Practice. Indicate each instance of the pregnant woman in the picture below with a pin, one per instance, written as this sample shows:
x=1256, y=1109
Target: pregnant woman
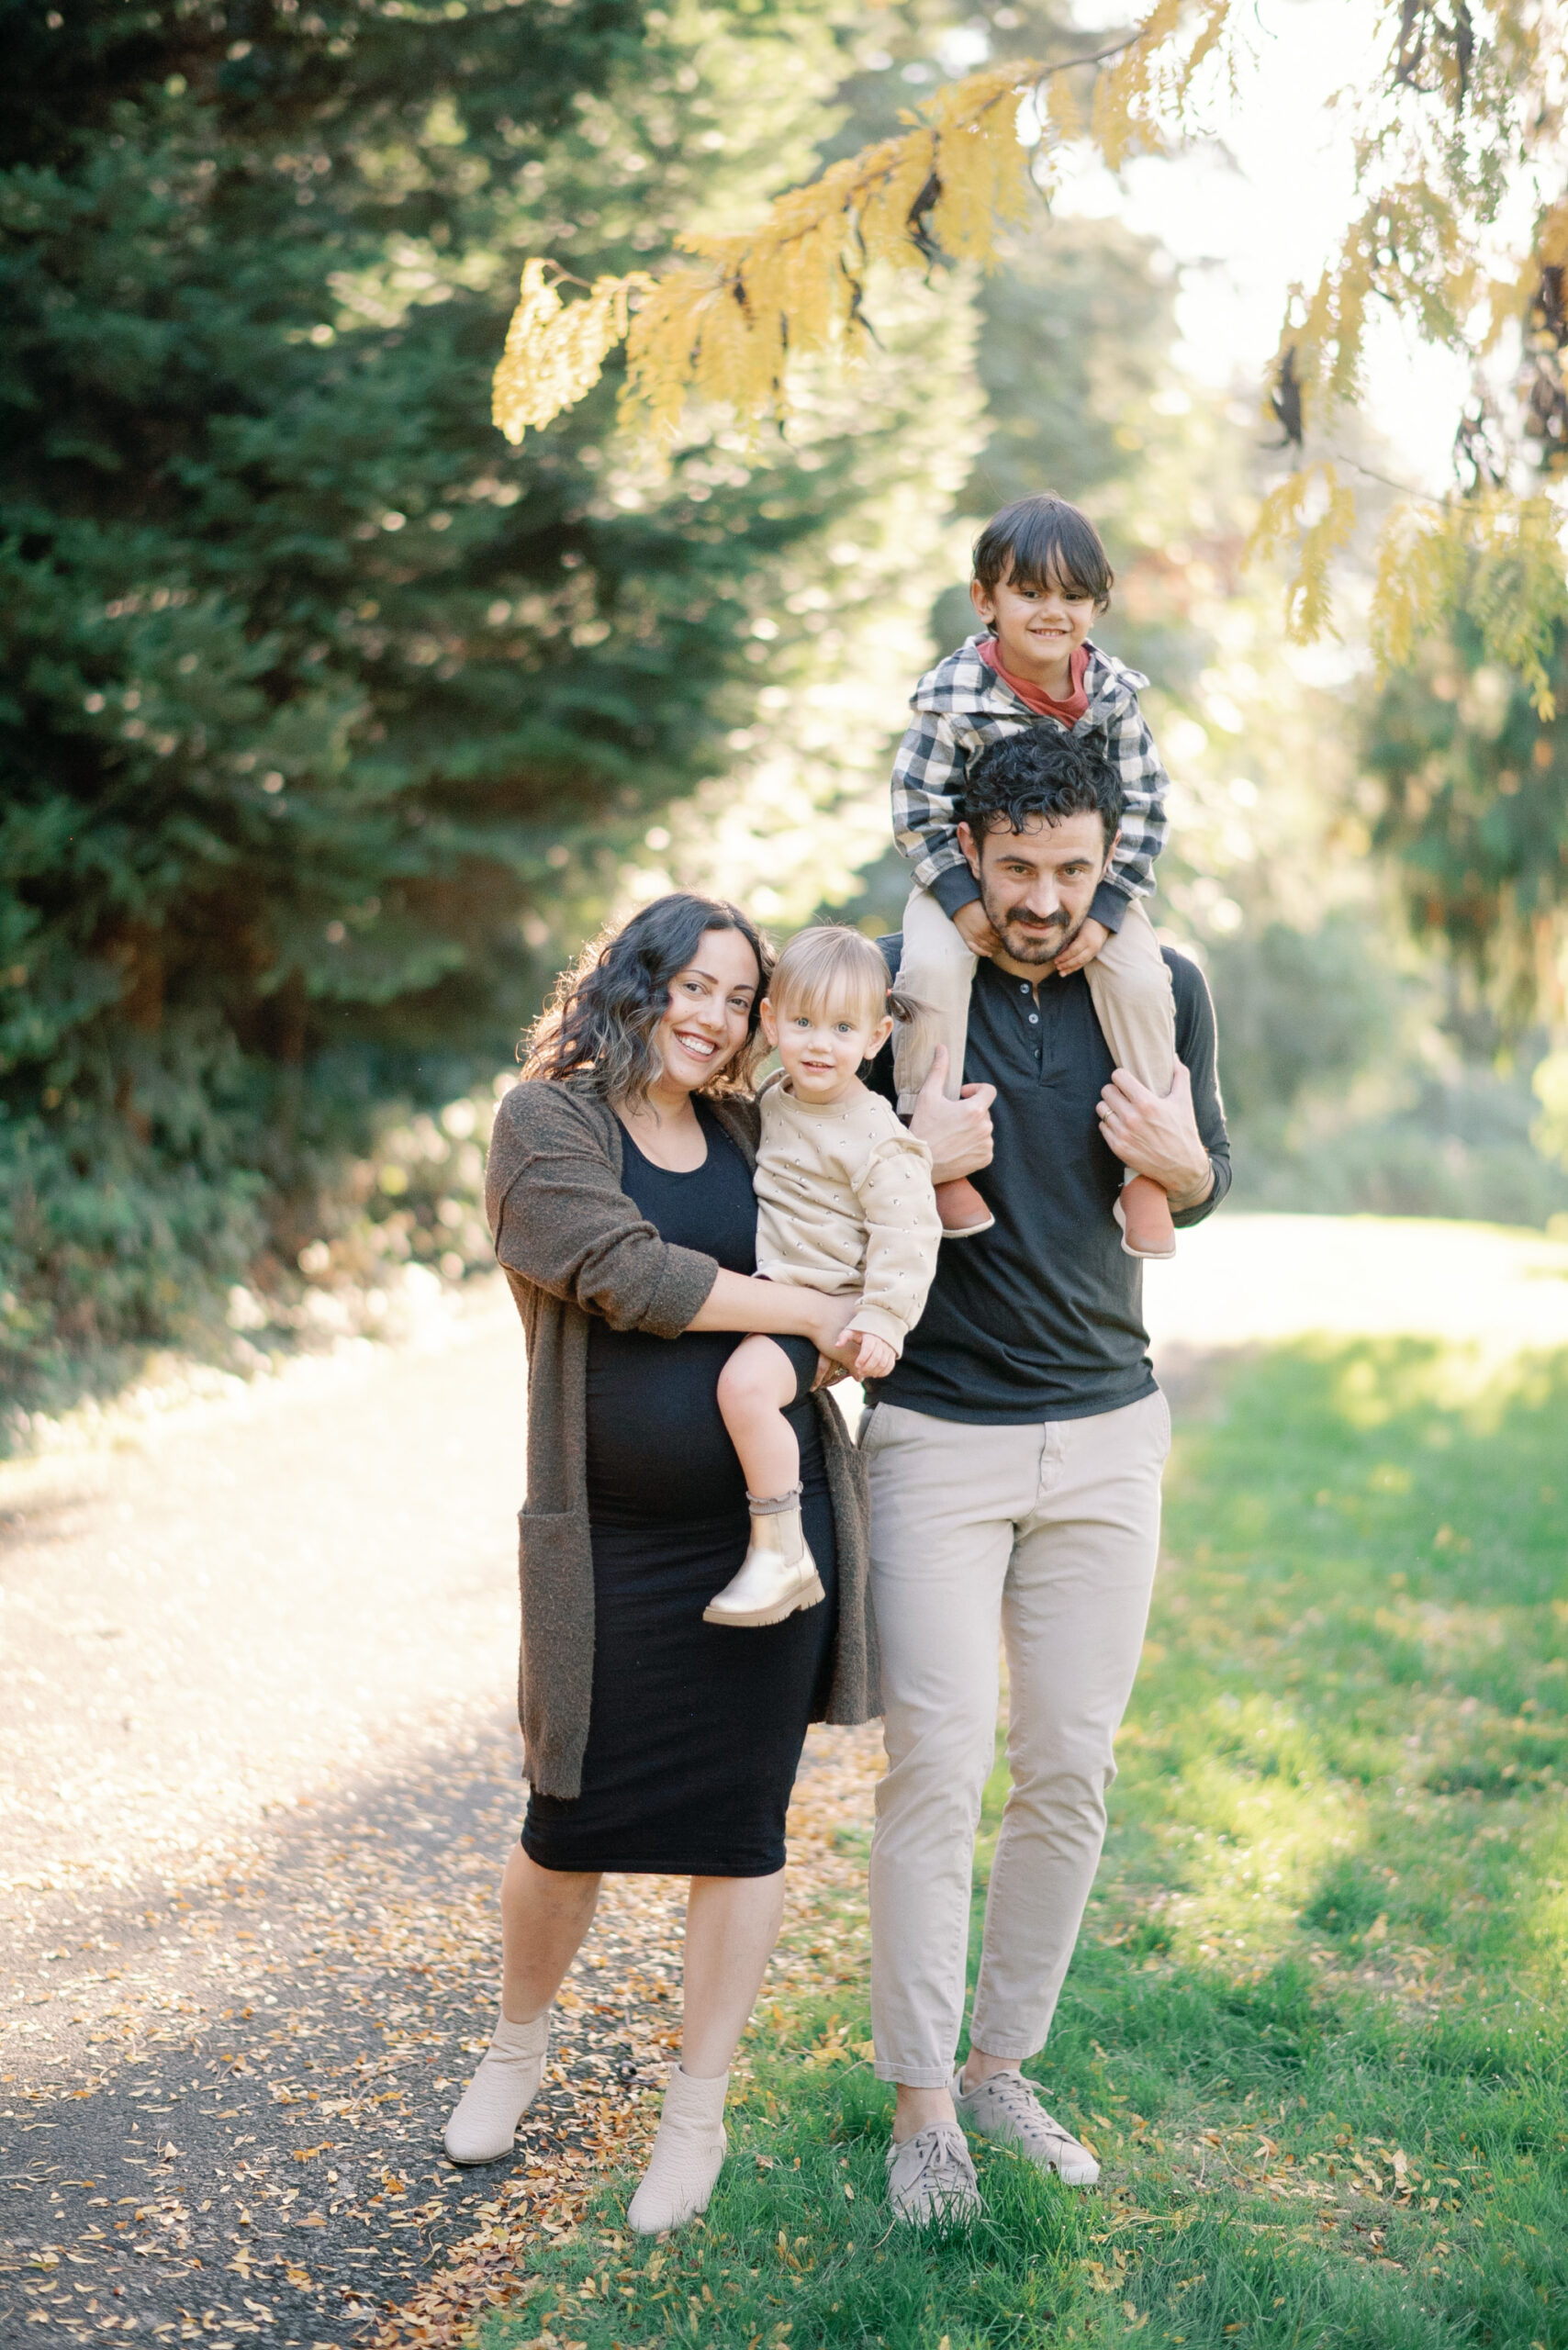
x=620, y=1194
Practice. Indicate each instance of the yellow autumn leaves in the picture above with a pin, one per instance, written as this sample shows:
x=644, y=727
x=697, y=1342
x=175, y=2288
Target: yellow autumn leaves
x=724, y=327
x=1436, y=143
x=555, y=353
x=723, y=324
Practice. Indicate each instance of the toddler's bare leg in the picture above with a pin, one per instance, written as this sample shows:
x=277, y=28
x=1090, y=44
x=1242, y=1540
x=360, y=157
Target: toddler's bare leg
x=755, y=1387
x=777, y=1573
x=1131, y=988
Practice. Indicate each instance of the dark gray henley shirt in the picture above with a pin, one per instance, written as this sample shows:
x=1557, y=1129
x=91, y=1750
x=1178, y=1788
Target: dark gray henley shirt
x=1041, y=1318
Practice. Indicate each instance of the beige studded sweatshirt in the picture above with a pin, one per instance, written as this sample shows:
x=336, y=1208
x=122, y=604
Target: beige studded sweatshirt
x=845, y=1205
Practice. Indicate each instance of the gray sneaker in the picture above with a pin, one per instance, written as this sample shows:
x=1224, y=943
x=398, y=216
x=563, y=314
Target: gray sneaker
x=1008, y=2108
x=931, y=2178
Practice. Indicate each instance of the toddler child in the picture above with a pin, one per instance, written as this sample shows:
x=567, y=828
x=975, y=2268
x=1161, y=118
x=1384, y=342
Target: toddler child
x=845, y=1205
x=1041, y=578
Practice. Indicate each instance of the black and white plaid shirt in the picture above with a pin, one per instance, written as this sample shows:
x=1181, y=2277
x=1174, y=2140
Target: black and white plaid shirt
x=961, y=706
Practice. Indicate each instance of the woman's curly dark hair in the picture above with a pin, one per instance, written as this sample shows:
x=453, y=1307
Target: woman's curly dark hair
x=599, y=1026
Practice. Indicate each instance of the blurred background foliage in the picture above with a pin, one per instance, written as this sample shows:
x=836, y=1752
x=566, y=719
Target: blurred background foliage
x=331, y=723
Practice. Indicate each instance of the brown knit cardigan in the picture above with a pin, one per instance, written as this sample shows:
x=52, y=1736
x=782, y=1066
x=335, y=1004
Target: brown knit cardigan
x=572, y=1245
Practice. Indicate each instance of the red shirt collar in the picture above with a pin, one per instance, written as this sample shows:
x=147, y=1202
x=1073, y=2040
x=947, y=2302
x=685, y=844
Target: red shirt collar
x=1043, y=705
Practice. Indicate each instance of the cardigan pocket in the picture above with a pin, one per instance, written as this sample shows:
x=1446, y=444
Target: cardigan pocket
x=555, y=1662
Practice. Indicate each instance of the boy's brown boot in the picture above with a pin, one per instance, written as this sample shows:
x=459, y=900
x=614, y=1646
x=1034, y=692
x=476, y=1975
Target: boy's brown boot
x=1143, y=1211
x=962, y=1210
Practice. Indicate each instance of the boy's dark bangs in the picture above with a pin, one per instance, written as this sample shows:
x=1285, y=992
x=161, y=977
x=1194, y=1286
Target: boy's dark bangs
x=1044, y=542
x=1056, y=548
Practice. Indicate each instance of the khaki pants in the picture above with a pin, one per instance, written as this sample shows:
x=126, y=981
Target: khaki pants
x=1044, y=1536
x=1127, y=979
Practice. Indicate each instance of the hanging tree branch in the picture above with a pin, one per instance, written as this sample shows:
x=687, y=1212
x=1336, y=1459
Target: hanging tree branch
x=721, y=328
x=1469, y=110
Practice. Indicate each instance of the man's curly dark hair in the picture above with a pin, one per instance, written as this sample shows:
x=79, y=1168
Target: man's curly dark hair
x=1040, y=772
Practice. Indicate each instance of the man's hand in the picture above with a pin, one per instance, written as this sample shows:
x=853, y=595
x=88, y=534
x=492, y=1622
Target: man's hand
x=973, y=926
x=1083, y=948
x=875, y=1357
x=1157, y=1137
x=959, y=1132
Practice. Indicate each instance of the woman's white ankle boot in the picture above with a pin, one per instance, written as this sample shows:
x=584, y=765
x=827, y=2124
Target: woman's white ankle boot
x=484, y=2121
x=687, y=2156
x=777, y=1573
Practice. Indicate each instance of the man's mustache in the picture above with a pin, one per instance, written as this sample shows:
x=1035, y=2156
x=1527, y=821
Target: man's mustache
x=1035, y=922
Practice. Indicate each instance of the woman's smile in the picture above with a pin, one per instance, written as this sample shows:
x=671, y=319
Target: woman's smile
x=707, y=1020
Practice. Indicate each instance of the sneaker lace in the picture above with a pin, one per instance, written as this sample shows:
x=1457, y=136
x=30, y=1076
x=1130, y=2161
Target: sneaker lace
x=944, y=2159
x=1022, y=2099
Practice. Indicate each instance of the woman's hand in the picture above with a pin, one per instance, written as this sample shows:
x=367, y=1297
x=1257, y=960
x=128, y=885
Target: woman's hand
x=857, y=1355
x=781, y=1309
x=826, y=1319
x=874, y=1358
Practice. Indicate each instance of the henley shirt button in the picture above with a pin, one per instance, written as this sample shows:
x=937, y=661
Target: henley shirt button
x=1034, y=1020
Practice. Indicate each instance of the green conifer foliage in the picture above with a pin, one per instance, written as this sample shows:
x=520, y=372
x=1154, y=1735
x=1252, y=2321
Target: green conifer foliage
x=1474, y=769
x=1476, y=808
x=327, y=713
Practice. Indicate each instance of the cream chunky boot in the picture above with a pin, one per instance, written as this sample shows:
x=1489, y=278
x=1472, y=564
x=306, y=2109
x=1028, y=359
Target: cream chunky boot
x=777, y=1573
x=486, y=2115
x=687, y=2156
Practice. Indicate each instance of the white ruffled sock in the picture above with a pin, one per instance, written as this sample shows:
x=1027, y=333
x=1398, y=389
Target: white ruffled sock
x=484, y=2121
x=687, y=2156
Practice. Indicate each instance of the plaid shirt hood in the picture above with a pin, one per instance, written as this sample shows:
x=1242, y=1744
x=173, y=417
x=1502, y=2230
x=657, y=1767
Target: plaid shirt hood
x=960, y=708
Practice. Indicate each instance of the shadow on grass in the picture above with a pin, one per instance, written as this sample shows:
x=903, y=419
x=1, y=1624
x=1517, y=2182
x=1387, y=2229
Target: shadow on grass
x=1313, y=2028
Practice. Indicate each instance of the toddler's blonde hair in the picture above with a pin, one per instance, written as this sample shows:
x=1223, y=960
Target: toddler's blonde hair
x=830, y=969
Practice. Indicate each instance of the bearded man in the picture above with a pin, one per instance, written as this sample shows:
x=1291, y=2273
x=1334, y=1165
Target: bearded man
x=1015, y=1455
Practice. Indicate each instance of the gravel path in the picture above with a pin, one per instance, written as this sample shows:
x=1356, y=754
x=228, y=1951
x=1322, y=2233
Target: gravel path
x=255, y=1605
x=260, y=1766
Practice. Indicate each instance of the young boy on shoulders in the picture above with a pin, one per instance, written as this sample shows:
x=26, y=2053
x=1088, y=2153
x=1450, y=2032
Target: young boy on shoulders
x=1041, y=579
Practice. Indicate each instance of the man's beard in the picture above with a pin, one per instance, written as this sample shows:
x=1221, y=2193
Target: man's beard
x=1031, y=941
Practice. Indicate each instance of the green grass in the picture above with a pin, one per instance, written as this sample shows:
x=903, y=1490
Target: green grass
x=1316, y=2025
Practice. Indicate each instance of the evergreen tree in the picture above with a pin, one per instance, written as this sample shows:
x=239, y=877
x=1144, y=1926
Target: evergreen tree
x=329, y=716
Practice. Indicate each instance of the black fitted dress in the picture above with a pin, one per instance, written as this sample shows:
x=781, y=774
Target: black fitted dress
x=695, y=1729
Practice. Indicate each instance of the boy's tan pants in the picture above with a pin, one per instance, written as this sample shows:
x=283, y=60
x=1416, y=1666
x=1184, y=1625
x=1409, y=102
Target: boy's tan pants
x=1127, y=979
x=1044, y=1536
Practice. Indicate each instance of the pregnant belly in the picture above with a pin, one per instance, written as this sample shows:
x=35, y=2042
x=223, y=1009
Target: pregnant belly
x=657, y=1449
